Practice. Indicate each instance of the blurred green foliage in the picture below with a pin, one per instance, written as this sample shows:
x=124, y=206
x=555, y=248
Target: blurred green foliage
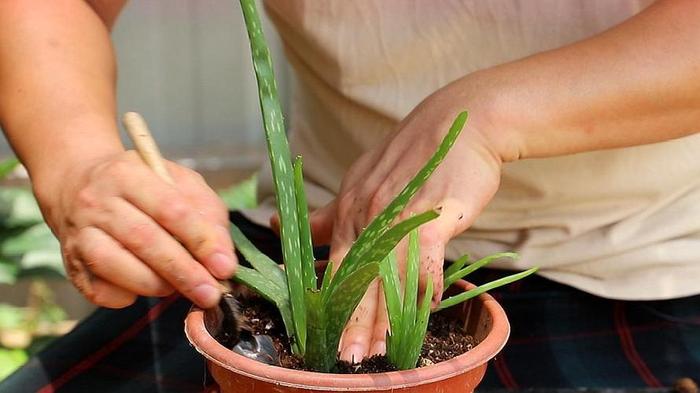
x=241, y=195
x=28, y=249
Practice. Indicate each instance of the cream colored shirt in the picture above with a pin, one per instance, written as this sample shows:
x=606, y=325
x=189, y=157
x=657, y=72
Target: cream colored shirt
x=621, y=223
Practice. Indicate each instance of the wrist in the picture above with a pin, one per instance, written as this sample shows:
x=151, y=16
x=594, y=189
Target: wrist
x=493, y=122
x=56, y=168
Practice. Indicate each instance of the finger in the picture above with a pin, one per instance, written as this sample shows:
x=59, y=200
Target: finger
x=381, y=326
x=357, y=335
x=180, y=216
x=432, y=256
x=160, y=251
x=433, y=237
x=106, y=294
x=95, y=289
x=105, y=258
x=196, y=189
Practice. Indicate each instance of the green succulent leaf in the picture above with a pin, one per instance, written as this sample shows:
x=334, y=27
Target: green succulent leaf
x=410, y=296
x=457, y=265
x=318, y=354
x=281, y=163
x=457, y=299
x=392, y=291
x=416, y=335
x=338, y=309
x=307, y=249
x=386, y=242
x=260, y=262
x=452, y=277
x=327, y=275
x=270, y=291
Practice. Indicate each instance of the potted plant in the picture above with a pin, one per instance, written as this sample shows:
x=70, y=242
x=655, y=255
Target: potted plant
x=314, y=311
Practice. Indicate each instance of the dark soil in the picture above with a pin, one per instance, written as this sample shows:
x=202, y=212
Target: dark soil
x=445, y=339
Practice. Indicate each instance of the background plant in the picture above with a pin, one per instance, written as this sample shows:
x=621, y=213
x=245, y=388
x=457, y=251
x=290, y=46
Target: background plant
x=408, y=320
x=28, y=251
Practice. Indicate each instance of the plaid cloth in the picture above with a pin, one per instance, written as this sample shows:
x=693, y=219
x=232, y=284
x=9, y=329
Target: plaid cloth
x=561, y=339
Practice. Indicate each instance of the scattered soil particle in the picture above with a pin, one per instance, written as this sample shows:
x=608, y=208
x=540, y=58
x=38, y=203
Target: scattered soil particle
x=685, y=385
x=445, y=340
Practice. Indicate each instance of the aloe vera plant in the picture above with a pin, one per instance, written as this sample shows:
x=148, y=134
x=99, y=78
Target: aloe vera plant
x=315, y=314
x=408, y=320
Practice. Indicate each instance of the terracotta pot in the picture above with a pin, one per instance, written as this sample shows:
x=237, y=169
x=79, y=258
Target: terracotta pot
x=483, y=318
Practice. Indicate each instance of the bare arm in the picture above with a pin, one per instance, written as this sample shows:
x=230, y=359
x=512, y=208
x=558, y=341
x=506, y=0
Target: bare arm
x=58, y=85
x=116, y=221
x=636, y=83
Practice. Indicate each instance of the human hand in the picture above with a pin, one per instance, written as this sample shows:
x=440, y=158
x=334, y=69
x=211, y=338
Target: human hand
x=461, y=187
x=124, y=232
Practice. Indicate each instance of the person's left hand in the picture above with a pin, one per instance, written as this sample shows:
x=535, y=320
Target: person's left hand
x=460, y=187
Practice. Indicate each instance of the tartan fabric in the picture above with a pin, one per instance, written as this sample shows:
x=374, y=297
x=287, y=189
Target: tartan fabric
x=561, y=339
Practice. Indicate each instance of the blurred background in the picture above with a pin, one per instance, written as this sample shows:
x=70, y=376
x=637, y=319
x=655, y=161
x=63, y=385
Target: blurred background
x=185, y=65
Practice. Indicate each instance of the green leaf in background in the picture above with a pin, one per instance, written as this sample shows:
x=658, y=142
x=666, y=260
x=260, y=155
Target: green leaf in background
x=18, y=207
x=8, y=271
x=11, y=360
x=241, y=195
x=38, y=237
x=7, y=166
x=11, y=317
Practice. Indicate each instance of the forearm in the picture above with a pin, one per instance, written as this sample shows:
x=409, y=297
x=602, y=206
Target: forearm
x=634, y=84
x=57, y=83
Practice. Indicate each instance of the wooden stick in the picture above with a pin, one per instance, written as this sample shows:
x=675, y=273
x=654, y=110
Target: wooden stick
x=145, y=145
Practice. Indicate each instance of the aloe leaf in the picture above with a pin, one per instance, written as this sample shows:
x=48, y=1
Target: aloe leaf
x=456, y=265
x=451, y=278
x=392, y=296
x=454, y=300
x=385, y=243
x=261, y=262
x=410, y=296
x=307, y=249
x=7, y=166
x=319, y=356
x=280, y=160
x=262, y=286
x=379, y=225
x=327, y=275
x=392, y=290
x=338, y=308
x=414, y=341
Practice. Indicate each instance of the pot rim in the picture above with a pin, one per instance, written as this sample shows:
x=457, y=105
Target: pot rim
x=489, y=347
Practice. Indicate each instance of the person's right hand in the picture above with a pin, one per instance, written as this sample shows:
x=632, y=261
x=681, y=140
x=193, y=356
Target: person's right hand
x=125, y=232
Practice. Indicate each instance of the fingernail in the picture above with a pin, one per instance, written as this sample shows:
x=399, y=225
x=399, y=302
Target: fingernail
x=206, y=295
x=378, y=348
x=221, y=265
x=353, y=354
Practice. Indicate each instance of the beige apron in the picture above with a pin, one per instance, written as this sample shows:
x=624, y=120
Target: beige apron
x=621, y=223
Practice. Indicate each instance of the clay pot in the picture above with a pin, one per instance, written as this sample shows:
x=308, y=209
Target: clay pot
x=483, y=318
